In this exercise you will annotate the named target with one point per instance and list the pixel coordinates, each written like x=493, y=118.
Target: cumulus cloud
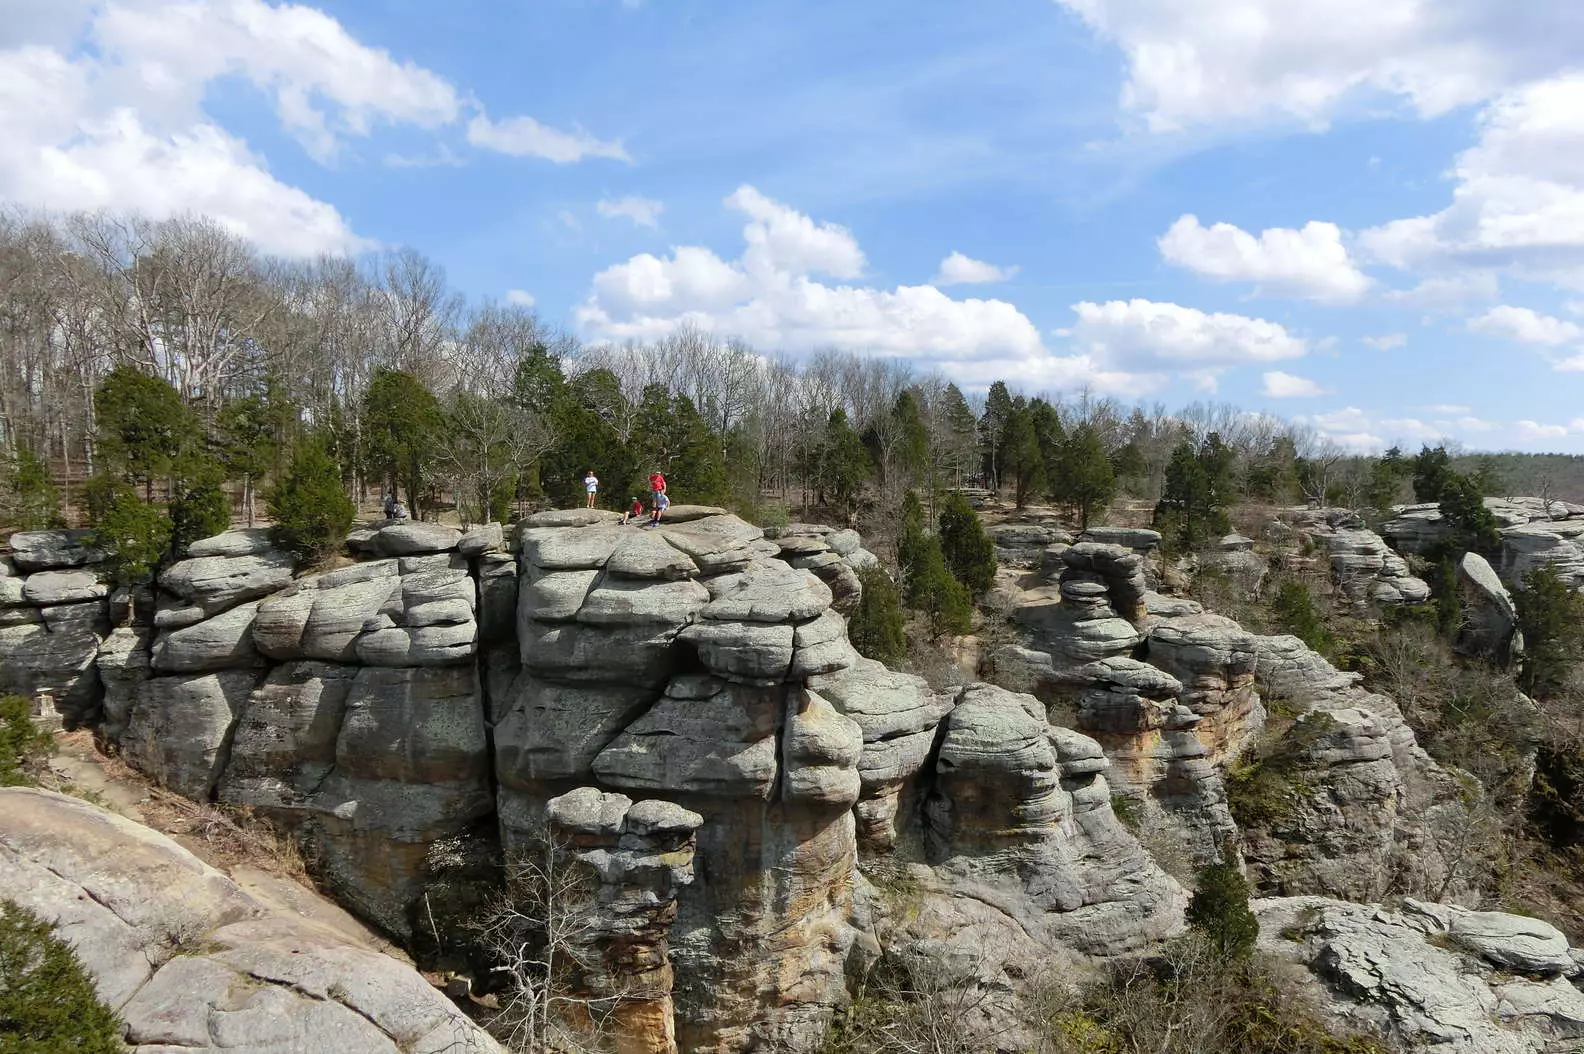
x=1281, y=385
x=1310, y=262
x=1149, y=336
x=1526, y=326
x=520, y=298
x=958, y=269
x=1518, y=202
x=324, y=82
x=1191, y=63
x=102, y=107
x=794, y=288
x=645, y=212
x=1387, y=341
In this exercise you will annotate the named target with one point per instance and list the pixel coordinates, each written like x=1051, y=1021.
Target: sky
x=1366, y=215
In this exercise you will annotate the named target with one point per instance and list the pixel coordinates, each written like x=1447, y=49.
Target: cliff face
x=679, y=708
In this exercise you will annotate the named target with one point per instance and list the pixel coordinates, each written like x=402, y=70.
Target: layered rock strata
x=191, y=962
x=1432, y=976
x=54, y=613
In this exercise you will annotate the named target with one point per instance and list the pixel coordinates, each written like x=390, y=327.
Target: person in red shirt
x=634, y=511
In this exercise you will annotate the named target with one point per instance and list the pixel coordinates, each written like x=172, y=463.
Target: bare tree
x=543, y=935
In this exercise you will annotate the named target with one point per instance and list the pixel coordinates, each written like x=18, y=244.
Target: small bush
x=1219, y=909
x=47, y=1000
x=22, y=744
x=877, y=628
x=311, y=511
x=135, y=534
x=202, y=512
x=29, y=499
x=969, y=552
x=1294, y=608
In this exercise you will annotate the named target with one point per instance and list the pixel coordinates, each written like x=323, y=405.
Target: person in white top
x=591, y=484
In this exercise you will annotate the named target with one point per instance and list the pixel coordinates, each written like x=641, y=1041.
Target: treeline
x=406, y=386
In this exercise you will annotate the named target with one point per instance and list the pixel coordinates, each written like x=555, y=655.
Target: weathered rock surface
x=1489, y=627
x=1407, y=977
x=52, y=550
x=641, y=854
x=191, y=962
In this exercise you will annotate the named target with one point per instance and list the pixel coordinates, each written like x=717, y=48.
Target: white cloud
x=1191, y=62
x=324, y=82
x=782, y=239
x=1146, y=335
x=958, y=269
x=771, y=295
x=1280, y=385
x=643, y=211
x=1518, y=203
x=1311, y=262
x=1361, y=430
x=102, y=107
x=1526, y=326
x=1449, y=292
x=1445, y=408
x=57, y=151
x=1387, y=341
x=1528, y=430
x=526, y=137
x=519, y=298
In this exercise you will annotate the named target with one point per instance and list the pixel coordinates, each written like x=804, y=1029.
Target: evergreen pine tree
x=401, y=422
x=29, y=499
x=844, y=464
x=309, y=507
x=1024, y=464
x=992, y=433
x=1551, y=619
x=1083, y=474
x=877, y=628
x=1219, y=908
x=134, y=533
x=48, y=1002
x=250, y=430
x=145, y=429
x=968, y=550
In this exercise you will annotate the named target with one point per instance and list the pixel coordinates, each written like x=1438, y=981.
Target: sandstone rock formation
x=1533, y=532
x=191, y=962
x=1366, y=571
x=1432, y=976
x=54, y=612
x=1489, y=624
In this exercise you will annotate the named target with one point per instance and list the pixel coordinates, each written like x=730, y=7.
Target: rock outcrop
x=190, y=961
x=54, y=613
x=1533, y=532
x=1489, y=624
x=1431, y=976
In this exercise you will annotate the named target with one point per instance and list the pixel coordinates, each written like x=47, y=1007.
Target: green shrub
x=311, y=511
x=1219, y=909
x=1262, y=790
x=1294, y=608
x=29, y=499
x=1551, y=619
x=22, y=744
x=877, y=628
x=203, y=511
x=135, y=534
x=47, y=1000
x=969, y=552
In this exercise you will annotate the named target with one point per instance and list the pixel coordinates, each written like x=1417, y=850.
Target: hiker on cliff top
x=634, y=511
x=661, y=504
x=591, y=484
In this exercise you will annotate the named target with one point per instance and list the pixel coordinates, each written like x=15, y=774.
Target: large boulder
x=1489, y=627
x=191, y=962
x=51, y=550
x=1407, y=977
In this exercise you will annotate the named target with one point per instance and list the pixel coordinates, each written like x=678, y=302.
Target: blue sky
x=1367, y=214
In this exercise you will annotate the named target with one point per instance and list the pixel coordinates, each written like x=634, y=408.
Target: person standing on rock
x=591, y=484
x=657, y=486
x=661, y=504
